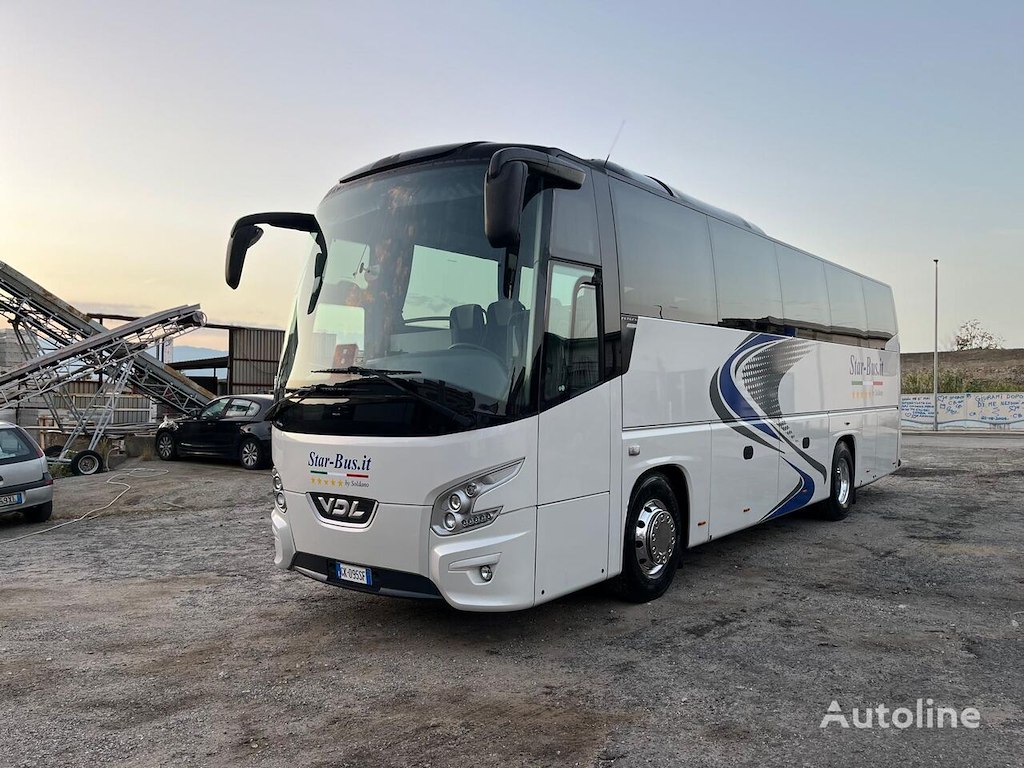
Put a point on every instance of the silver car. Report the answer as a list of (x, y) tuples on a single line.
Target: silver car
[(26, 485)]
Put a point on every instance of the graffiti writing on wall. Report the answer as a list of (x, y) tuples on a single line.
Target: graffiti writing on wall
[(984, 410)]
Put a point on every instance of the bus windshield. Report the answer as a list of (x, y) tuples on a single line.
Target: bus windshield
[(411, 285)]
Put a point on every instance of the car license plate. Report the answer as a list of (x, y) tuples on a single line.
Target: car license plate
[(353, 573), (11, 499)]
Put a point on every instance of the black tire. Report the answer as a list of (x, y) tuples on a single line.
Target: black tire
[(649, 560), (38, 514), (86, 463), (53, 451), (166, 446), (841, 493), (251, 454)]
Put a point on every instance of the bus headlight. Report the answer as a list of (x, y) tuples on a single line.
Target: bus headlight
[(278, 483), (459, 507)]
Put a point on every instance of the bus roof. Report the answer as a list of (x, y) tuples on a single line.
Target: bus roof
[(484, 149)]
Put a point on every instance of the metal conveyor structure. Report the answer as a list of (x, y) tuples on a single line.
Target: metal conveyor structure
[(42, 321), (63, 345), (112, 353)]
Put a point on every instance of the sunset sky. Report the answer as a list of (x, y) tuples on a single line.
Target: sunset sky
[(879, 135)]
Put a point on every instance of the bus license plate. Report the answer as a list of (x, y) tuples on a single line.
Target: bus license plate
[(353, 573), (11, 499)]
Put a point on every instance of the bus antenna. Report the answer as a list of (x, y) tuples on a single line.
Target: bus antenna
[(614, 142)]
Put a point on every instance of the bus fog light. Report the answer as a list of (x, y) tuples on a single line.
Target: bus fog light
[(486, 573), (455, 502), (280, 501), (278, 483), (450, 521)]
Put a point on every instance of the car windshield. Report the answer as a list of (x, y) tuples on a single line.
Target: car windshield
[(410, 284)]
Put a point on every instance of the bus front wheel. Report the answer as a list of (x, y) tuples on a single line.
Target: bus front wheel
[(650, 554)]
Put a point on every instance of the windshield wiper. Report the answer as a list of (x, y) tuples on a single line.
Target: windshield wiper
[(296, 396), (383, 373), (389, 377)]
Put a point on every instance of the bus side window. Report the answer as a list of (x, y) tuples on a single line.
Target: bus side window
[(571, 349)]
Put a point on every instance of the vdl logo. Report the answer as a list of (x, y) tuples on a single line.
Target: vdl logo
[(344, 509)]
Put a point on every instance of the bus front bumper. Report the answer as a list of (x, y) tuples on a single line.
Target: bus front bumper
[(488, 569)]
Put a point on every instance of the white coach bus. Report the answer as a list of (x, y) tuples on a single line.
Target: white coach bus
[(512, 373)]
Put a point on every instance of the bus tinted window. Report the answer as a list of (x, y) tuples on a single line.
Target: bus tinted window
[(804, 294), (664, 257), (747, 275), (574, 225), (846, 298), (880, 312)]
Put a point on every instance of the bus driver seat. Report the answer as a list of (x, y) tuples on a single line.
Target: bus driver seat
[(467, 324), (504, 332)]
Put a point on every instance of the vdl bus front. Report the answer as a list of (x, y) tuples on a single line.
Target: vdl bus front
[(406, 434)]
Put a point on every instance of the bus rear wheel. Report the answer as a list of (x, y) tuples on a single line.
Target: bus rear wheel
[(650, 554), (841, 496)]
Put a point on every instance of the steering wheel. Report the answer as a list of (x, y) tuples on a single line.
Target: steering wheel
[(477, 347), (428, 319)]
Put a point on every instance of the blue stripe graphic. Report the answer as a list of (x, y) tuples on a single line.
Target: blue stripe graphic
[(799, 499), (730, 392)]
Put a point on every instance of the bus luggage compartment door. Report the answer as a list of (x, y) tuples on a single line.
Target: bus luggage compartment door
[(744, 479)]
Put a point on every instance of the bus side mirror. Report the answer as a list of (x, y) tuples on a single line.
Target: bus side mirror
[(245, 233), (505, 188), (504, 194), (242, 239)]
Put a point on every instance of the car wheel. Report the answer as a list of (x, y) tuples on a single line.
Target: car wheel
[(653, 539), (251, 453), (166, 446), (39, 514), (841, 497), (86, 463)]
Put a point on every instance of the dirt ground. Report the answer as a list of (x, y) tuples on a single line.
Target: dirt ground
[(159, 633)]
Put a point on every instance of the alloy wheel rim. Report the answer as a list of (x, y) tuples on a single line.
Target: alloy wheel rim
[(654, 538), (165, 446), (250, 453), (843, 480)]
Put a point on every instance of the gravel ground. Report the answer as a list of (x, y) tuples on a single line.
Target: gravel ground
[(159, 633)]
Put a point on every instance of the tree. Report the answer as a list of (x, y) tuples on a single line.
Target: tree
[(971, 335)]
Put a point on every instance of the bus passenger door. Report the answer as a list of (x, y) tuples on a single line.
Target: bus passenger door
[(744, 476), (574, 435)]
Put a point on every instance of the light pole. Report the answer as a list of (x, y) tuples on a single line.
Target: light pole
[(935, 356)]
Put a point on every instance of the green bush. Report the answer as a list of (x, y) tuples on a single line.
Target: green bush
[(953, 380)]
